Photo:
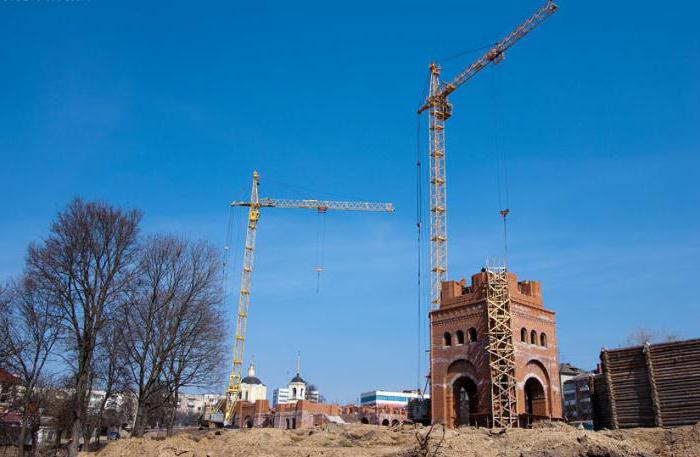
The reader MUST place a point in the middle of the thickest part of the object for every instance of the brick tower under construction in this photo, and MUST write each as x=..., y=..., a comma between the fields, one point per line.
x=493, y=355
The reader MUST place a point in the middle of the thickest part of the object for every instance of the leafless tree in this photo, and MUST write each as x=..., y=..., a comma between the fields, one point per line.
x=641, y=336
x=172, y=327
x=84, y=266
x=29, y=330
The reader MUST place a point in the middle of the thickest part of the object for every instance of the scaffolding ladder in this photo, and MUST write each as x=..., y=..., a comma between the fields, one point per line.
x=500, y=348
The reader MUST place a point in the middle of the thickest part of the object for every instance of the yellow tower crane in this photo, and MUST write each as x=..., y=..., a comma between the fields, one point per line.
x=233, y=393
x=440, y=109
x=500, y=335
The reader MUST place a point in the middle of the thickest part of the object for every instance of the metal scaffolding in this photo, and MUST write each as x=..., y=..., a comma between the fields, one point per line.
x=500, y=348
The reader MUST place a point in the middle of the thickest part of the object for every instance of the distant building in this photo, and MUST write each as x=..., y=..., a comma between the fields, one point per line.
x=295, y=391
x=570, y=399
x=577, y=399
x=389, y=398
x=196, y=403
x=252, y=388
x=568, y=371
x=375, y=415
x=313, y=395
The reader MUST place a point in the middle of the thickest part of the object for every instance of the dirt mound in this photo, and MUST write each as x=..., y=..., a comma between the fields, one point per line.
x=372, y=441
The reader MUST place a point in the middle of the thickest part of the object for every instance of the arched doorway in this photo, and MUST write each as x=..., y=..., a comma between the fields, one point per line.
x=535, y=399
x=466, y=401
x=385, y=422
x=365, y=420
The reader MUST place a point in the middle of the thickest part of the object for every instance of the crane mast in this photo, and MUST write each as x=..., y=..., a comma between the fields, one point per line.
x=233, y=392
x=439, y=110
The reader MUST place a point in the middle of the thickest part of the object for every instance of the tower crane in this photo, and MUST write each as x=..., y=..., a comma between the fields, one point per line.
x=440, y=109
x=233, y=393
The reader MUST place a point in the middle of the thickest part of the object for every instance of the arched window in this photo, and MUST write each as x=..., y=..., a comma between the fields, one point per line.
x=460, y=337
x=472, y=335
x=294, y=392
x=447, y=339
x=543, y=340
x=523, y=335
x=533, y=337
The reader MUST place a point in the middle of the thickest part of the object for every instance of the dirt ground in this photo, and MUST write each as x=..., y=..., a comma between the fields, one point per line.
x=549, y=440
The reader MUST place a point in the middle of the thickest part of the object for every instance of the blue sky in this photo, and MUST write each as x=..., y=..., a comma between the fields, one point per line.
x=170, y=107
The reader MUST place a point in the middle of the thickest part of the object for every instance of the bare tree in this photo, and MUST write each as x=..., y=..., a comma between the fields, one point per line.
x=29, y=330
x=172, y=328
x=84, y=266
x=196, y=360
x=641, y=336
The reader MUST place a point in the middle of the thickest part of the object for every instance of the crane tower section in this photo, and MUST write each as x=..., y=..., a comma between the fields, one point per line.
x=439, y=110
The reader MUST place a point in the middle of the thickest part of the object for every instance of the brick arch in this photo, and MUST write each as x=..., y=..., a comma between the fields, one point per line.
x=536, y=369
x=460, y=367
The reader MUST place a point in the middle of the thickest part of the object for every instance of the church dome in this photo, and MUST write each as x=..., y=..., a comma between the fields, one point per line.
x=297, y=378
x=251, y=380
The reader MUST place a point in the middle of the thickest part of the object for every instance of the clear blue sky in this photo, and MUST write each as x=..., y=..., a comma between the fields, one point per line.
x=170, y=106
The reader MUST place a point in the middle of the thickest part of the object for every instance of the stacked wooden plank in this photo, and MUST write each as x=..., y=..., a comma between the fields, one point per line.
x=676, y=368
x=646, y=386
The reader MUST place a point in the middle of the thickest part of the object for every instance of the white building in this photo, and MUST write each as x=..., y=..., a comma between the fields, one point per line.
x=195, y=403
x=296, y=390
x=389, y=398
x=252, y=388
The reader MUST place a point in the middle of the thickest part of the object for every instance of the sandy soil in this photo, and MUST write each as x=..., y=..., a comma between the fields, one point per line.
x=371, y=441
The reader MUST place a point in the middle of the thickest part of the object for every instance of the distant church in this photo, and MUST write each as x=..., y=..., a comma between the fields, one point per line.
x=252, y=388
x=296, y=390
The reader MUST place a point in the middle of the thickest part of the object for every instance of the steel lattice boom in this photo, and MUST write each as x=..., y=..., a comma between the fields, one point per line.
x=440, y=110
x=233, y=392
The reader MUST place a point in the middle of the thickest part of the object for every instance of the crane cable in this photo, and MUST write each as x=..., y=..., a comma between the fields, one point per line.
x=501, y=163
x=419, y=229
x=320, y=246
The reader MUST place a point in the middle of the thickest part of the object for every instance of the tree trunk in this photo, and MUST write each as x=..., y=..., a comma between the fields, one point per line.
x=34, y=441
x=22, y=437
x=81, y=394
x=75, y=438
x=138, y=429
x=173, y=413
x=57, y=442
x=98, y=431
x=87, y=435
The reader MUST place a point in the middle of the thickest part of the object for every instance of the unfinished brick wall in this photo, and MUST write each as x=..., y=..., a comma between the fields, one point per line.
x=461, y=385
x=249, y=415
x=376, y=415
x=302, y=414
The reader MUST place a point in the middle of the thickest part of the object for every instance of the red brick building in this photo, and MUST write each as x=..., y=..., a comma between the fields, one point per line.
x=461, y=386
x=375, y=415
x=297, y=415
